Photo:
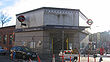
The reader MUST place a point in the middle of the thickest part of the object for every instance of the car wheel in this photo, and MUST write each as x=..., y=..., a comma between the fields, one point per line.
x=24, y=56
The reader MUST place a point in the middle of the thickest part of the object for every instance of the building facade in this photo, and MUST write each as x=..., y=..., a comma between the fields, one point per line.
x=102, y=39
x=49, y=30
x=7, y=37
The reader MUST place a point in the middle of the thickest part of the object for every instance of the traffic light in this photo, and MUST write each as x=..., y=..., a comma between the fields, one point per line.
x=11, y=38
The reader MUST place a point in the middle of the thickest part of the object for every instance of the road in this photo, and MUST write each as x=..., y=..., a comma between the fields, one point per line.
x=82, y=59
x=4, y=59
x=91, y=59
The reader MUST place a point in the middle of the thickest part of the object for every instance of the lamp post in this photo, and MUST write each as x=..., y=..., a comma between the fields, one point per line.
x=33, y=42
x=62, y=41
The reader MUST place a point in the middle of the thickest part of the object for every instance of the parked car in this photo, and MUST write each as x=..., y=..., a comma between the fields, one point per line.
x=2, y=51
x=22, y=52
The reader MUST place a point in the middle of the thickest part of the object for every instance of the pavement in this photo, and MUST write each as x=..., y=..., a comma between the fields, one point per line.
x=91, y=59
x=5, y=58
x=82, y=59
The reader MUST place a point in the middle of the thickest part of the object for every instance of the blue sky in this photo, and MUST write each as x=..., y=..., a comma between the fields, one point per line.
x=7, y=6
x=6, y=3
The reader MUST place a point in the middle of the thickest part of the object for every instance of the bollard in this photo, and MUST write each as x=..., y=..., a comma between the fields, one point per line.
x=53, y=58
x=63, y=58
x=88, y=57
x=38, y=59
x=79, y=57
x=94, y=59
x=30, y=60
x=94, y=56
x=70, y=58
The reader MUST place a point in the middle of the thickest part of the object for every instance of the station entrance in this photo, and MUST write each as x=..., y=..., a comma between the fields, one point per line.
x=59, y=42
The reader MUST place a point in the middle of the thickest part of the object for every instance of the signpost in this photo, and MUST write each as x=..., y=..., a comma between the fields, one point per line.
x=21, y=18
x=89, y=22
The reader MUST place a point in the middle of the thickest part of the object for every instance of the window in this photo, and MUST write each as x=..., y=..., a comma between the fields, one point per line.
x=82, y=45
x=14, y=48
x=0, y=38
x=26, y=49
x=32, y=45
x=4, y=39
x=19, y=48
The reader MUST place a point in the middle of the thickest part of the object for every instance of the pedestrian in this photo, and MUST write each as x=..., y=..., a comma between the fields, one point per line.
x=14, y=54
x=84, y=55
x=11, y=55
x=75, y=51
x=100, y=59
x=101, y=53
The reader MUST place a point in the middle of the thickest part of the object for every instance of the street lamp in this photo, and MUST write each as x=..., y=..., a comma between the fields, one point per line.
x=62, y=41
x=33, y=42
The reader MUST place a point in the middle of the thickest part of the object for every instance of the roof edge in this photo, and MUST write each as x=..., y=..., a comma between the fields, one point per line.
x=8, y=26
x=47, y=8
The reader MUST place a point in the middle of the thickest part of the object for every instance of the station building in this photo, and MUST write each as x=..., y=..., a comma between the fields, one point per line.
x=49, y=30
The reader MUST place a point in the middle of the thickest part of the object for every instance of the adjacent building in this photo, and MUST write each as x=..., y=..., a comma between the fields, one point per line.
x=101, y=39
x=7, y=38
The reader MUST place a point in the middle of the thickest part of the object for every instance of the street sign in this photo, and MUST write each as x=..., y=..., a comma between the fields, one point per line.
x=89, y=22
x=21, y=18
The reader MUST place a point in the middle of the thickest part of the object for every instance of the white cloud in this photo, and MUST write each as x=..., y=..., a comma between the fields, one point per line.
x=97, y=10
x=1, y=3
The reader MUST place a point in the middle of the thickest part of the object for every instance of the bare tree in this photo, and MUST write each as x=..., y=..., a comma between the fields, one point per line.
x=4, y=18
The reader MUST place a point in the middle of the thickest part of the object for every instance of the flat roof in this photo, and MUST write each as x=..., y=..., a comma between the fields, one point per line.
x=7, y=26
x=48, y=8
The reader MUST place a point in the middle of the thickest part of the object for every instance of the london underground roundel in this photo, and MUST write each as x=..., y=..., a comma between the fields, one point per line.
x=89, y=22
x=21, y=18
